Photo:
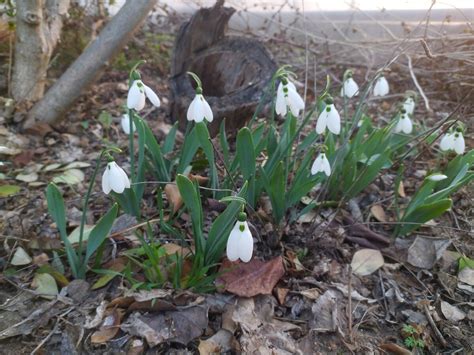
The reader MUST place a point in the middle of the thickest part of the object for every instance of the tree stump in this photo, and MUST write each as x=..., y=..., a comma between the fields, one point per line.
x=235, y=71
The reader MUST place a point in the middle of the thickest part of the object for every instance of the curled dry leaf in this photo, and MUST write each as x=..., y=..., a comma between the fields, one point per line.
x=21, y=257
x=253, y=278
x=367, y=261
x=109, y=328
x=452, y=313
x=379, y=213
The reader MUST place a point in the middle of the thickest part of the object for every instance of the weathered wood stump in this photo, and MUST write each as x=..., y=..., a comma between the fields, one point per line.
x=234, y=70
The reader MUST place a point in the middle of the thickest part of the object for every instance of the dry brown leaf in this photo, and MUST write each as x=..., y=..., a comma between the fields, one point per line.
x=253, y=278
x=452, y=313
x=173, y=196
x=311, y=293
x=109, y=328
x=379, y=213
x=393, y=348
x=366, y=261
x=171, y=249
x=219, y=343
x=281, y=293
x=401, y=190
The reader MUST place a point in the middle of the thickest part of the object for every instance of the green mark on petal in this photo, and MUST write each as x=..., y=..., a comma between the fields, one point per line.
x=242, y=227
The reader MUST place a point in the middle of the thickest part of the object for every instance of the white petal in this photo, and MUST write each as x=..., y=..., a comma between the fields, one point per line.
x=350, y=88
x=105, y=181
x=399, y=126
x=154, y=99
x=207, y=111
x=447, y=142
x=322, y=122
x=459, y=144
x=135, y=96
x=437, y=177
x=381, y=87
x=295, y=102
x=125, y=179
x=194, y=110
x=316, y=167
x=116, y=180
x=409, y=105
x=280, y=104
x=334, y=121
x=245, y=244
x=407, y=125
x=125, y=122
x=232, y=249
x=325, y=165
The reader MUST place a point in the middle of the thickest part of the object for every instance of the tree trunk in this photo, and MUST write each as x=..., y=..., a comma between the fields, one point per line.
x=38, y=29
x=89, y=64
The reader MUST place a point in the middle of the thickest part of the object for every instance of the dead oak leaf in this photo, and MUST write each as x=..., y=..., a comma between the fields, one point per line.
x=253, y=278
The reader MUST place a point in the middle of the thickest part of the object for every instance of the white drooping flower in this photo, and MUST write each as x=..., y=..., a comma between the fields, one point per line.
x=321, y=164
x=453, y=141
x=114, y=179
x=329, y=118
x=409, y=105
x=125, y=122
x=199, y=110
x=349, y=88
x=437, y=177
x=137, y=94
x=288, y=97
x=240, y=242
x=381, y=87
x=404, y=124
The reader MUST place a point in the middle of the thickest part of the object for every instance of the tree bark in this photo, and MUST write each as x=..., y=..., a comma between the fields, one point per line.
x=89, y=64
x=38, y=29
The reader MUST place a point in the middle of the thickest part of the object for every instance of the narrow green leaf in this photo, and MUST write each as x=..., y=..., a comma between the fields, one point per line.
x=100, y=232
x=190, y=147
x=170, y=139
x=423, y=214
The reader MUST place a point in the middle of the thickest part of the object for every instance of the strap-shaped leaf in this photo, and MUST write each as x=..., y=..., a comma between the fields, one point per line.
x=424, y=214
x=100, y=232
x=57, y=211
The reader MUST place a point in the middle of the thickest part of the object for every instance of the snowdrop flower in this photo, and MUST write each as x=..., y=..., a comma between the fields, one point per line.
x=288, y=97
x=321, y=164
x=404, y=124
x=125, y=122
x=409, y=105
x=453, y=141
x=240, y=242
x=137, y=94
x=437, y=177
x=114, y=178
x=329, y=118
x=349, y=87
x=381, y=87
x=199, y=109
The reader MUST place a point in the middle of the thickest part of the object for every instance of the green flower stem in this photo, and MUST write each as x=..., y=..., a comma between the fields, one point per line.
x=130, y=145
x=84, y=211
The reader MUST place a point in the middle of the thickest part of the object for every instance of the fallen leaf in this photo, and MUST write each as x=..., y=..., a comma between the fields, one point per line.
x=9, y=151
x=253, y=278
x=76, y=165
x=327, y=312
x=311, y=293
x=466, y=275
x=21, y=257
x=109, y=328
x=452, y=313
x=173, y=196
x=395, y=349
x=7, y=190
x=23, y=158
x=116, y=267
x=219, y=343
x=41, y=259
x=425, y=252
x=144, y=295
x=295, y=262
x=281, y=294
x=181, y=326
x=172, y=249
x=45, y=285
x=379, y=213
x=74, y=236
x=366, y=261
x=261, y=332
x=52, y=167
x=70, y=177
x=27, y=177
x=401, y=190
